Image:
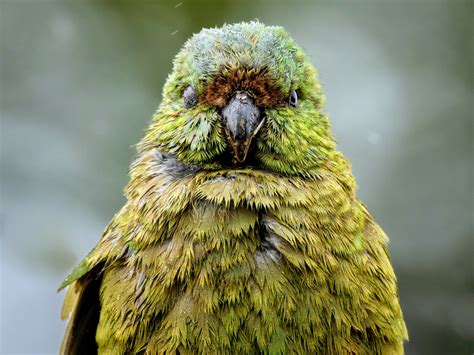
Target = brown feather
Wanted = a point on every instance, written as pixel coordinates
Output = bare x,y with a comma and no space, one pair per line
264,90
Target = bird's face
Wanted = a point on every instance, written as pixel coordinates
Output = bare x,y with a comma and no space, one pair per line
242,95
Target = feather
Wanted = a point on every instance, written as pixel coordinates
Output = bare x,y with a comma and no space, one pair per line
83,305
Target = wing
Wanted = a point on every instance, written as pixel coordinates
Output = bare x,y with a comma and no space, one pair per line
83,305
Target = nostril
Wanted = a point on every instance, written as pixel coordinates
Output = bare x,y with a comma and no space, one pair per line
243,98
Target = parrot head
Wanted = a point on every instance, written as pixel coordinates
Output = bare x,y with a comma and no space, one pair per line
243,95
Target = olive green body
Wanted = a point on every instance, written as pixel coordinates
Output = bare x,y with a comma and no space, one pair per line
279,257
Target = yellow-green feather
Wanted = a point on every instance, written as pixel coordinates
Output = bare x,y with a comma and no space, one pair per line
208,281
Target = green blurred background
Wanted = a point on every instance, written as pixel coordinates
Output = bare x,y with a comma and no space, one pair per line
80,81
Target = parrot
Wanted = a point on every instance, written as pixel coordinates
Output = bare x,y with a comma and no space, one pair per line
242,231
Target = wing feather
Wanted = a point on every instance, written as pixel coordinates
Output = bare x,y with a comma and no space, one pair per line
82,303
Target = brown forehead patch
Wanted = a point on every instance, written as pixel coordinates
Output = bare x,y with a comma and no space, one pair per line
260,87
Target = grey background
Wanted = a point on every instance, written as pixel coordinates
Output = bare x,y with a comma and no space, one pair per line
80,81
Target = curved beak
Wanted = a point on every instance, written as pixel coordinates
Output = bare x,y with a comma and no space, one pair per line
242,121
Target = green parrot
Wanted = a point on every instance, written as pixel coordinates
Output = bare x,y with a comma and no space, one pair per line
241,231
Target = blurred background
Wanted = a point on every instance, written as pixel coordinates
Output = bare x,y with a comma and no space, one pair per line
81,80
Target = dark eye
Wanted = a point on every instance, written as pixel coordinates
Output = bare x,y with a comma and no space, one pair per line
190,97
293,99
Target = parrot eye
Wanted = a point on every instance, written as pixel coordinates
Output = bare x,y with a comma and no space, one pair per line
293,99
190,97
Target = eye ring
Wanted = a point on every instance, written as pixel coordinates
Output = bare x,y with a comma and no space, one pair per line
293,99
190,97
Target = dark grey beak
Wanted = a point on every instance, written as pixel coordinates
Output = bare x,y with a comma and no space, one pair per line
242,121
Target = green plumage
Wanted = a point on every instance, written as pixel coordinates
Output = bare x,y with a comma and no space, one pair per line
277,257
